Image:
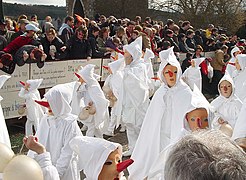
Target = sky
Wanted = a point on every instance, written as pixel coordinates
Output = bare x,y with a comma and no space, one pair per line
44,2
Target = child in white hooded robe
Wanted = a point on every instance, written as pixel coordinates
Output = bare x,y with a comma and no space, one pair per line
239,76
57,128
34,111
192,75
192,121
134,95
164,117
99,159
93,96
227,105
4,135
230,67
239,132
111,88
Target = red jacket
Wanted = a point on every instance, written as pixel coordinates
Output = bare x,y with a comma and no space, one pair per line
17,43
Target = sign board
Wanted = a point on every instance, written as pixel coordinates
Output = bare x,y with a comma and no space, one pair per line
10,104
12,84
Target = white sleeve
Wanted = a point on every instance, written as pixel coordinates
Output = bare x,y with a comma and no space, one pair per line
49,171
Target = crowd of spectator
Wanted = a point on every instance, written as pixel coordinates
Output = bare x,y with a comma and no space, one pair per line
83,38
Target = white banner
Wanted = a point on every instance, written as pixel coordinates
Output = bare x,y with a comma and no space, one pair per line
13,84
10,104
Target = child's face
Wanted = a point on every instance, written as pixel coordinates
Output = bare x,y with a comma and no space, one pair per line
170,74
197,119
109,170
225,89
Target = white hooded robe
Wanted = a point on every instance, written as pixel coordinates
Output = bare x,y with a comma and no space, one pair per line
34,112
56,131
163,120
4,135
226,108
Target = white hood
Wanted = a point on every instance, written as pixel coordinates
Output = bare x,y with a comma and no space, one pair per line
87,74
235,49
34,83
198,101
59,97
242,60
216,103
135,49
168,57
117,65
93,153
148,55
3,79
198,61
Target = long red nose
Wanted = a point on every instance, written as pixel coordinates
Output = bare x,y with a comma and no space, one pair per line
106,67
123,165
225,88
199,122
170,73
119,51
76,74
22,83
43,103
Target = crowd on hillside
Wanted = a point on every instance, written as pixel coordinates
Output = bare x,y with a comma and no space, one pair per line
26,40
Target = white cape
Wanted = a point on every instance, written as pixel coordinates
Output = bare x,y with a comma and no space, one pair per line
4,135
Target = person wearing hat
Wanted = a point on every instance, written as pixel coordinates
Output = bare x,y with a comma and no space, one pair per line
22,28
192,75
25,39
230,67
4,135
239,76
99,159
134,95
17,48
57,128
94,98
197,118
111,88
227,105
164,117
34,112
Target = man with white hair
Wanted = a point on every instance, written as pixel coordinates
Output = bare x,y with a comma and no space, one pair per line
206,155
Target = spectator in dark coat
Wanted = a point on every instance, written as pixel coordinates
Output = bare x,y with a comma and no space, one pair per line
93,42
182,44
169,37
52,45
186,62
190,39
198,38
66,30
78,45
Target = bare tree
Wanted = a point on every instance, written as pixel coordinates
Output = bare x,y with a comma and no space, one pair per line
225,13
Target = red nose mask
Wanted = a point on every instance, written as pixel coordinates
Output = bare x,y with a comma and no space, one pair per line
22,83
199,122
43,103
225,88
106,67
76,74
170,73
155,78
119,51
123,165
